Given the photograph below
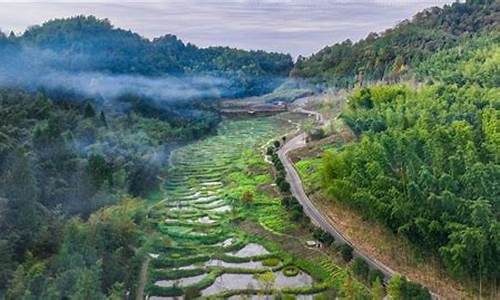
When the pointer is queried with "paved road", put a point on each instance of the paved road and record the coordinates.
(317, 217)
(310, 210)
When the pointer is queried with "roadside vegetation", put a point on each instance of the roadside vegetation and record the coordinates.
(425, 160)
(436, 150)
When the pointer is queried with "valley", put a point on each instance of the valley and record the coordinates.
(214, 185)
(137, 166)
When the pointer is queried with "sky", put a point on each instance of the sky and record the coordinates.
(298, 27)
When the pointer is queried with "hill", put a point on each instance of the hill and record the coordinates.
(390, 55)
(425, 162)
(87, 44)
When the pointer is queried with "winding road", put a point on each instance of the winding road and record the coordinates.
(317, 217)
(310, 210)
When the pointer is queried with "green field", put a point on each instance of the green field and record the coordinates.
(198, 249)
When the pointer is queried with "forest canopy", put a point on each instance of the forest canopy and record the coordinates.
(85, 44)
(391, 55)
(427, 161)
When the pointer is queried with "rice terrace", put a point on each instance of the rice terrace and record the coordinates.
(213, 186)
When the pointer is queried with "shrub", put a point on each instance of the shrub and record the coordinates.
(414, 290)
(374, 274)
(323, 236)
(191, 293)
(326, 295)
(271, 262)
(346, 252)
(284, 186)
(281, 296)
(360, 268)
(400, 288)
(247, 197)
(296, 210)
(377, 289)
(290, 201)
(291, 271)
(297, 215)
(270, 150)
(280, 179)
(317, 134)
(285, 201)
(276, 144)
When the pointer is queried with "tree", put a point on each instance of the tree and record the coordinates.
(118, 292)
(88, 285)
(348, 288)
(99, 170)
(20, 188)
(284, 186)
(89, 111)
(375, 274)
(346, 252)
(395, 287)
(377, 290)
(143, 179)
(400, 288)
(360, 268)
(17, 286)
(102, 118)
(270, 150)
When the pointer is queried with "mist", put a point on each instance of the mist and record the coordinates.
(34, 69)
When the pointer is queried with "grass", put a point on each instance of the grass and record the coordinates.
(291, 271)
(271, 262)
(309, 172)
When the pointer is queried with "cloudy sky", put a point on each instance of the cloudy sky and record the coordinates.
(290, 26)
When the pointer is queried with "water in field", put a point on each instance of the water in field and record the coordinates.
(239, 281)
(194, 224)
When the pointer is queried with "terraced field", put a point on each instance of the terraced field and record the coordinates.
(198, 250)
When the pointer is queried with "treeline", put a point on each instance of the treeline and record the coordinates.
(60, 159)
(427, 161)
(96, 259)
(89, 44)
(398, 288)
(392, 54)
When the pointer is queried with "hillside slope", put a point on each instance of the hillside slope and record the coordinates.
(425, 164)
(87, 44)
(391, 54)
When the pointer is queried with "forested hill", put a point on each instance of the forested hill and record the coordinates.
(425, 163)
(88, 119)
(393, 53)
(89, 44)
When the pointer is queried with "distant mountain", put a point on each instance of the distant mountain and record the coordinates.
(390, 54)
(88, 44)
